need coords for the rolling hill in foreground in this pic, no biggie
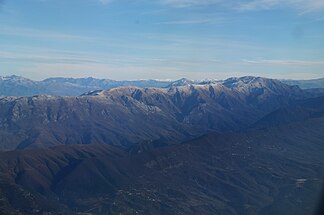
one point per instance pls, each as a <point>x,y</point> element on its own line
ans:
<point>273,169</point>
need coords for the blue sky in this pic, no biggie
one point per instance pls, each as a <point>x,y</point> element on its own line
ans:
<point>162,39</point>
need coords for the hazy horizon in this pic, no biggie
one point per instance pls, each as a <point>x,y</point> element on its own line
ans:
<point>139,79</point>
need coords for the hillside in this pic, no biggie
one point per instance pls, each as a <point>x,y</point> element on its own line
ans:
<point>268,171</point>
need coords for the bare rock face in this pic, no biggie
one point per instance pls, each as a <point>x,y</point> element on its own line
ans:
<point>125,116</point>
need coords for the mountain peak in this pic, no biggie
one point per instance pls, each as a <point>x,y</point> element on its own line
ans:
<point>14,78</point>
<point>181,82</point>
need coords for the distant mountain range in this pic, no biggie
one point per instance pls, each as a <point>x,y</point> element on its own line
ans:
<point>306,84</point>
<point>20,86</point>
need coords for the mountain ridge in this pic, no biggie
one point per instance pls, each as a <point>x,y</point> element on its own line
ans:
<point>127,115</point>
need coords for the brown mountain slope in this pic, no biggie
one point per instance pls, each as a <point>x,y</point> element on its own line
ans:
<point>276,170</point>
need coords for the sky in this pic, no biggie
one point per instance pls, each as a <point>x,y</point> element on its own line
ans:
<point>162,39</point>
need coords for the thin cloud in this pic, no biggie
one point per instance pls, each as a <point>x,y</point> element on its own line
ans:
<point>194,22</point>
<point>189,3</point>
<point>259,5</point>
<point>285,62</point>
<point>42,34</point>
<point>104,1</point>
<point>185,22</point>
<point>46,57</point>
<point>304,6</point>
